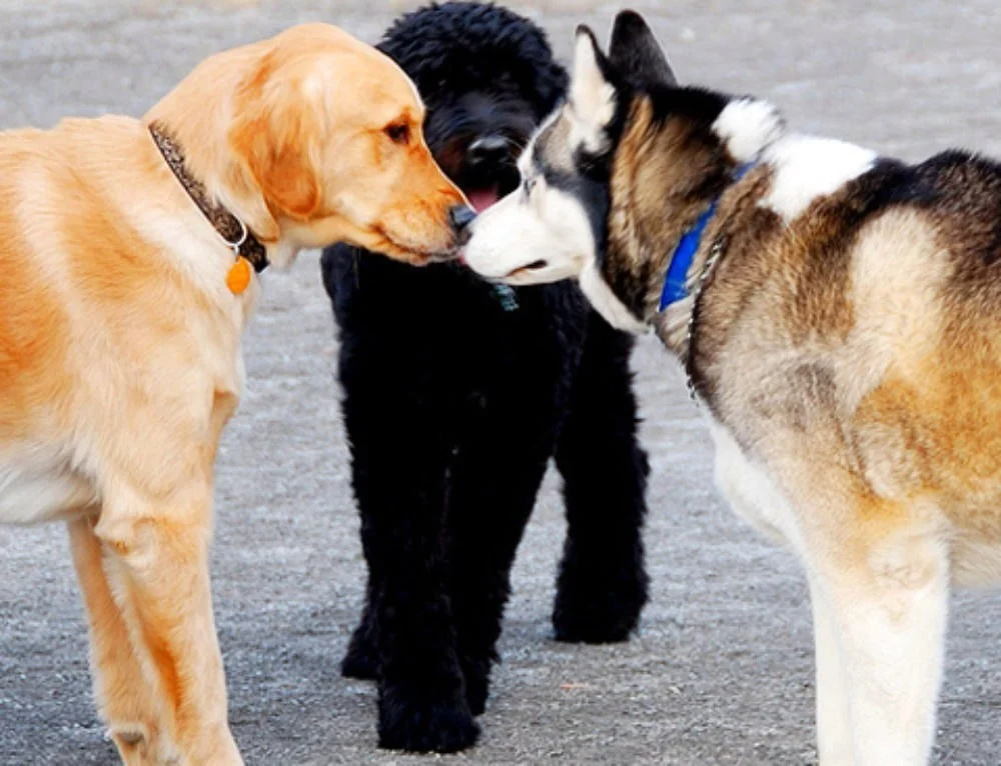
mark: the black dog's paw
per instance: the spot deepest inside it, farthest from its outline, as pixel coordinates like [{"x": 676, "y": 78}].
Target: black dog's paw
[
  {"x": 361, "y": 659},
  {"x": 590, "y": 615},
  {"x": 360, "y": 662},
  {"x": 409, "y": 722},
  {"x": 477, "y": 686}
]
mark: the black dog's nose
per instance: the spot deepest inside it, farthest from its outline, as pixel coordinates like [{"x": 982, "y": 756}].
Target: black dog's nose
[
  {"x": 460, "y": 216},
  {"x": 488, "y": 149}
]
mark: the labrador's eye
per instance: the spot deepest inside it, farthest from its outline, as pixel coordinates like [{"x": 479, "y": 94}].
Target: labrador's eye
[{"x": 399, "y": 133}]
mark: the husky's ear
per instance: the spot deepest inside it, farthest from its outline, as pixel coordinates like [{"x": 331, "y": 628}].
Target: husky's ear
[
  {"x": 592, "y": 96},
  {"x": 635, "y": 52}
]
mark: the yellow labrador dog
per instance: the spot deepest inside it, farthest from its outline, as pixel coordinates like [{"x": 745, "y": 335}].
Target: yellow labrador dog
[{"x": 128, "y": 253}]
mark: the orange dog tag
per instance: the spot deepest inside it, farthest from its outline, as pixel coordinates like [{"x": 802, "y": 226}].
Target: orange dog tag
[{"x": 239, "y": 276}]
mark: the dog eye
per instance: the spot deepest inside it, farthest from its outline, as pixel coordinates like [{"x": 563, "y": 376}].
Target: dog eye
[
  {"x": 529, "y": 184},
  {"x": 399, "y": 133}
]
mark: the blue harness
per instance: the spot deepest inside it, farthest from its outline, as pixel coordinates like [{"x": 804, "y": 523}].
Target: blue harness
[{"x": 676, "y": 281}]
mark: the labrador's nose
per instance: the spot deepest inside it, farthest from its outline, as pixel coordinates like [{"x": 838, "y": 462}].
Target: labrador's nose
[{"x": 460, "y": 216}]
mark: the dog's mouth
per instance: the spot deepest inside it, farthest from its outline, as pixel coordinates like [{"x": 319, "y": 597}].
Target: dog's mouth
[
  {"x": 412, "y": 254},
  {"x": 482, "y": 198},
  {"x": 526, "y": 270}
]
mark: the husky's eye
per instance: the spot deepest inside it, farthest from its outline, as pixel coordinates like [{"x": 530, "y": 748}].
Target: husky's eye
[{"x": 529, "y": 184}]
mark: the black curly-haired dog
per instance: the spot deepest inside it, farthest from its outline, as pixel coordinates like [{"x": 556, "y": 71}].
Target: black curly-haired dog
[{"x": 445, "y": 379}]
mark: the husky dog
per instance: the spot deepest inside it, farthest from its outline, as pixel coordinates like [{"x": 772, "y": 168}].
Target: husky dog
[{"x": 838, "y": 315}]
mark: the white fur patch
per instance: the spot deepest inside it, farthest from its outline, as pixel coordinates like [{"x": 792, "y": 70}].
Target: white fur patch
[
  {"x": 606, "y": 303},
  {"x": 592, "y": 99},
  {"x": 747, "y": 126},
  {"x": 37, "y": 484},
  {"x": 750, "y": 491},
  {"x": 550, "y": 226},
  {"x": 808, "y": 167}
]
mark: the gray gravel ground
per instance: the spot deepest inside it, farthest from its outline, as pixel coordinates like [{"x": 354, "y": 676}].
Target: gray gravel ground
[{"x": 721, "y": 672}]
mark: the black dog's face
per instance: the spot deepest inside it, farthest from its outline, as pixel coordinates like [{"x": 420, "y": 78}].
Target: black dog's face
[
  {"x": 487, "y": 77},
  {"x": 476, "y": 137}
]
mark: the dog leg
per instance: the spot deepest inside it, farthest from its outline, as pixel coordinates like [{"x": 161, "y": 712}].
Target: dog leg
[
  {"x": 157, "y": 559},
  {"x": 834, "y": 735},
  {"x": 602, "y": 584},
  {"x": 125, "y": 699},
  {"x": 397, "y": 427},
  {"x": 488, "y": 513},
  {"x": 399, "y": 482},
  {"x": 361, "y": 660},
  {"x": 891, "y": 619},
  {"x": 422, "y": 700}
]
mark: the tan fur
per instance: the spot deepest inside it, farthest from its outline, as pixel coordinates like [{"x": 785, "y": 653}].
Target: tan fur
[
  {"x": 120, "y": 342},
  {"x": 852, "y": 355},
  {"x": 652, "y": 161},
  {"x": 858, "y": 369}
]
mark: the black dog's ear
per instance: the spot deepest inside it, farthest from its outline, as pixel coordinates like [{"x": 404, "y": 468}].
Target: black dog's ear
[{"x": 635, "y": 52}]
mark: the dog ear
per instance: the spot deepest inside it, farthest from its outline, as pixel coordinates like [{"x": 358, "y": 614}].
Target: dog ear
[
  {"x": 271, "y": 134},
  {"x": 635, "y": 52},
  {"x": 592, "y": 96}
]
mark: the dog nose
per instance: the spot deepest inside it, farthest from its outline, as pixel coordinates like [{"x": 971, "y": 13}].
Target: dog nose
[
  {"x": 488, "y": 149},
  {"x": 460, "y": 216}
]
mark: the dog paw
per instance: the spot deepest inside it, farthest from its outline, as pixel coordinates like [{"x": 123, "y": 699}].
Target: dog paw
[
  {"x": 421, "y": 725},
  {"x": 595, "y": 618},
  {"x": 477, "y": 686},
  {"x": 140, "y": 745},
  {"x": 360, "y": 662}
]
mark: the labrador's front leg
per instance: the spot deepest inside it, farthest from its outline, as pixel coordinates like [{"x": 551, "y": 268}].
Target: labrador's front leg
[
  {"x": 124, "y": 694},
  {"x": 157, "y": 557}
]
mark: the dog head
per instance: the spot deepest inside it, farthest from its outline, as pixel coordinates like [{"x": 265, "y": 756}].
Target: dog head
[
  {"x": 621, "y": 168},
  {"x": 313, "y": 137},
  {"x": 489, "y": 77}
]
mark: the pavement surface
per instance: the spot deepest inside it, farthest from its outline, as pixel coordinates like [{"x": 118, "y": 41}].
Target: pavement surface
[{"x": 721, "y": 671}]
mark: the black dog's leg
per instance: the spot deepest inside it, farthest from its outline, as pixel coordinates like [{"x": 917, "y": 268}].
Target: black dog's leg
[
  {"x": 399, "y": 479},
  {"x": 361, "y": 659},
  {"x": 399, "y": 456},
  {"x": 602, "y": 585},
  {"x": 494, "y": 488}
]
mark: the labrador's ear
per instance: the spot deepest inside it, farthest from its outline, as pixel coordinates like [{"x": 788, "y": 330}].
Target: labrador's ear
[
  {"x": 271, "y": 134},
  {"x": 635, "y": 52}
]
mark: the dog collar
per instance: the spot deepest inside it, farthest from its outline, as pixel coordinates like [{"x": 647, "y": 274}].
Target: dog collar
[
  {"x": 506, "y": 296},
  {"x": 245, "y": 246},
  {"x": 676, "y": 281}
]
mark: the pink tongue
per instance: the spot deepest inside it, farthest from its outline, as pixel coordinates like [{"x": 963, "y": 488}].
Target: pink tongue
[{"x": 481, "y": 199}]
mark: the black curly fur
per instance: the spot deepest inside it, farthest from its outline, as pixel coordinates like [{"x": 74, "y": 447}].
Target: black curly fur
[
  {"x": 466, "y": 45},
  {"x": 454, "y": 405}
]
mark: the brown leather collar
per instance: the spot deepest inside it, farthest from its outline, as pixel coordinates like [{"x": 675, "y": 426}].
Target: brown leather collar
[{"x": 235, "y": 233}]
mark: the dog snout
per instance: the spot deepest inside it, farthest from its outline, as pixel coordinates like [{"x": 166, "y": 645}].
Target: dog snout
[
  {"x": 460, "y": 216},
  {"x": 491, "y": 149}
]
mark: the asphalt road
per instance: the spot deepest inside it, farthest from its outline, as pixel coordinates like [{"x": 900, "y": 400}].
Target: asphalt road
[{"x": 721, "y": 671}]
